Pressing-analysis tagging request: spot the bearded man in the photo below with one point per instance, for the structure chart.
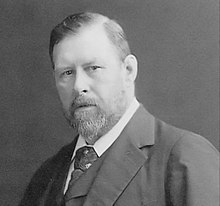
(121, 155)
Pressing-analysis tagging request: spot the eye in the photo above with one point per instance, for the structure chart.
(93, 68)
(68, 72)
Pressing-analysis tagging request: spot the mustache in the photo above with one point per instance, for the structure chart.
(83, 102)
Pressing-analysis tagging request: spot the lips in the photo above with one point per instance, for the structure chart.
(84, 108)
(82, 105)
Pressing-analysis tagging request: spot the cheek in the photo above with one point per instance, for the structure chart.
(108, 92)
(65, 94)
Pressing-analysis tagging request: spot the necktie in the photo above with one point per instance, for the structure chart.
(83, 159)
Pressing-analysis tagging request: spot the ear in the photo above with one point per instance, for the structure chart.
(131, 67)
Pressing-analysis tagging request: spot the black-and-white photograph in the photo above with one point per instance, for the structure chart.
(109, 103)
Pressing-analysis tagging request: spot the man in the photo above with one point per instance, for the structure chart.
(127, 156)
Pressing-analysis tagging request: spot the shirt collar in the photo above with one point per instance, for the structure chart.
(103, 143)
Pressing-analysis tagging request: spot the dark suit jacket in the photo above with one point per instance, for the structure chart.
(151, 163)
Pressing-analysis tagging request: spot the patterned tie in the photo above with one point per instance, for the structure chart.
(83, 159)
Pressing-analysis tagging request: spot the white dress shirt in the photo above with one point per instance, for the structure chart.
(104, 142)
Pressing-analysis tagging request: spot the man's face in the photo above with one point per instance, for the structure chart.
(90, 79)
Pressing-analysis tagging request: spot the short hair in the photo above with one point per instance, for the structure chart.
(72, 24)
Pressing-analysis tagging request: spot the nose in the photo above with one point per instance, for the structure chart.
(81, 83)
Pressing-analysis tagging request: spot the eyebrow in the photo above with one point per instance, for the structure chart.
(93, 61)
(60, 68)
(87, 63)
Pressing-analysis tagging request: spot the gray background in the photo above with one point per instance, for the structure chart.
(176, 43)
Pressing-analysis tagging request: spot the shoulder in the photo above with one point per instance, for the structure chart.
(61, 157)
(174, 147)
(44, 175)
(186, 142)
(192, 169)
(180, 140)
(193, 152)
(187, 151)
(165, 139)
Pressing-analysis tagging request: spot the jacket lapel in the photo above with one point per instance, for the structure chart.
(82, 185)
(123, 160)
(61, 167)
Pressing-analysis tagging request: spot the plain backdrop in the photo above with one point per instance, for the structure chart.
(176, 43)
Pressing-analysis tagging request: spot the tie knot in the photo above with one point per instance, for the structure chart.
(84, 158)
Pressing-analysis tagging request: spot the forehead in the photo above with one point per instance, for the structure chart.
(90, 40)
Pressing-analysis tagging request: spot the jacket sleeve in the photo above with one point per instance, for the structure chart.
(193, 173)
(37, 186)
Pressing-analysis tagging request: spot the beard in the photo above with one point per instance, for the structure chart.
(93, 123)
